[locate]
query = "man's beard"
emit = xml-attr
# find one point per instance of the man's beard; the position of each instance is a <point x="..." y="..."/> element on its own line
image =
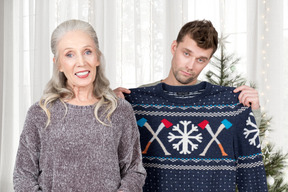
<point x="182" y="80"/>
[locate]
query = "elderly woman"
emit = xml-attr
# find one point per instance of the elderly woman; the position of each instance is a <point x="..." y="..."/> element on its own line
<point x="79" y="137"/>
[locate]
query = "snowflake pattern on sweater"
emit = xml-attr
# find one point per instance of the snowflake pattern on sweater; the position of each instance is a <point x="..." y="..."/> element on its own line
<point x="197" y="138"/>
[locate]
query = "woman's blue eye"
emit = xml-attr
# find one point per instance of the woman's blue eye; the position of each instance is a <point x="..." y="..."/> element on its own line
<point x="88" y="52"/>
<point x="69" y="55"/>
<point x="186" y="54"/>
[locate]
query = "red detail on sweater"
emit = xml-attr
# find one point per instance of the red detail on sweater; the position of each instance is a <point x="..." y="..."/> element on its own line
<point x="203" y="124"/>
<point x="166" y="123"/>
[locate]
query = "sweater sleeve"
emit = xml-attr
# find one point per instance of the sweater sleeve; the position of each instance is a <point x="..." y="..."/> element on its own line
<point x="133" y="173"/>
<point x="250" y="168"/>
<point x="26" y="170"/>
<point x="257" y="116"/>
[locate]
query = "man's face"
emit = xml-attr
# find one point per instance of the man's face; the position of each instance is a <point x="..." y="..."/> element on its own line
<point x="188" y="61"/>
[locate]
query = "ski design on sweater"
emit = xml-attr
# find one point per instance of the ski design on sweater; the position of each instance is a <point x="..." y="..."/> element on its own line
<point x="224" y="124"/>
<point x="211" y="143"/>
<point x="164" y="123"/>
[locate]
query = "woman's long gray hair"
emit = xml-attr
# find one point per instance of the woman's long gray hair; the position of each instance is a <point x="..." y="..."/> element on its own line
<point x="57" y="88"/>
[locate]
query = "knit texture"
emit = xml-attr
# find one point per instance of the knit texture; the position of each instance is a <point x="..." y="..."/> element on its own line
<point x="77" y="153"/>
<point x="197" y="138"/>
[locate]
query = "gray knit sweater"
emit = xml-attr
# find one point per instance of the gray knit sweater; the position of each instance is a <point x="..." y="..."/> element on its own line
<point x="77" y="153"/>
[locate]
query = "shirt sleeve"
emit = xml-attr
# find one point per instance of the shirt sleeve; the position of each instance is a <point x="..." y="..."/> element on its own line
<point x="26" y="170"/>
<point x="133" y="173"/>
<point x="257" y="116"/>
<point x="250" y="168"/>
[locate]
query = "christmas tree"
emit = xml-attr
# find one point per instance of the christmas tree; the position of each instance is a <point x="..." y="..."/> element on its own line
<point x="224" y="73"/>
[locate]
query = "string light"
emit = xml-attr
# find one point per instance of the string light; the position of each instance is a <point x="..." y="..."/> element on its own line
<point x="265" y="45"/>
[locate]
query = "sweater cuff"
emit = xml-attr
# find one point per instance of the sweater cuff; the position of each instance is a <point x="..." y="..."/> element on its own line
<point x="257" y="115"/>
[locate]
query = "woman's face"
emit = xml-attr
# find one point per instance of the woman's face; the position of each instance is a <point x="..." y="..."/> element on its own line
<point x="78" y="59"/>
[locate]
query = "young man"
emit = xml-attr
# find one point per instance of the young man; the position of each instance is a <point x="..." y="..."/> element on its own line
<point x="196" y="136"/>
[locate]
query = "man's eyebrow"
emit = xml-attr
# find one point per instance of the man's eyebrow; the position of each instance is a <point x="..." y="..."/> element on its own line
<point x="190" y="51"/>
<point x="203" y="57"/>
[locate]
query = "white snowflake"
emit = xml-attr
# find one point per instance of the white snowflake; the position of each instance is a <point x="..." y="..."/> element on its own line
<point x="254" y="130"/>
<point x="185" y="137"/>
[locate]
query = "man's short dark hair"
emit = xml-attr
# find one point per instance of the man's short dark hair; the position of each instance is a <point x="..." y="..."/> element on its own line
<point x="201" y="31"/>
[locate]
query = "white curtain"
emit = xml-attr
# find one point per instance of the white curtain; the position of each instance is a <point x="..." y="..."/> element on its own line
<point x="135" y="37"/>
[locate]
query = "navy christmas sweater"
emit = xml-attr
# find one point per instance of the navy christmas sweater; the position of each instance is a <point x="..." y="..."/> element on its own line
<point x="197" y="138"/>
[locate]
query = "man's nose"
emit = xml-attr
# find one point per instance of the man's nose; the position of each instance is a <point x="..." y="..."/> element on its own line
<point x="190" y="63"/>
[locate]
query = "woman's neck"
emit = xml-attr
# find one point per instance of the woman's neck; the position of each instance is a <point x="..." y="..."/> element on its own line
<point x="82" y="96"/>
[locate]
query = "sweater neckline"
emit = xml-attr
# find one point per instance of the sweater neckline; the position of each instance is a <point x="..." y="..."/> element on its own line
<point x="177" y="93"/>
<point x="71" y="106"/>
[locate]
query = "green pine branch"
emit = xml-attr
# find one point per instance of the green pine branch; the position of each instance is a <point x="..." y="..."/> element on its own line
<point x="225" y="65"/>
<point x="274" y="160"/>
